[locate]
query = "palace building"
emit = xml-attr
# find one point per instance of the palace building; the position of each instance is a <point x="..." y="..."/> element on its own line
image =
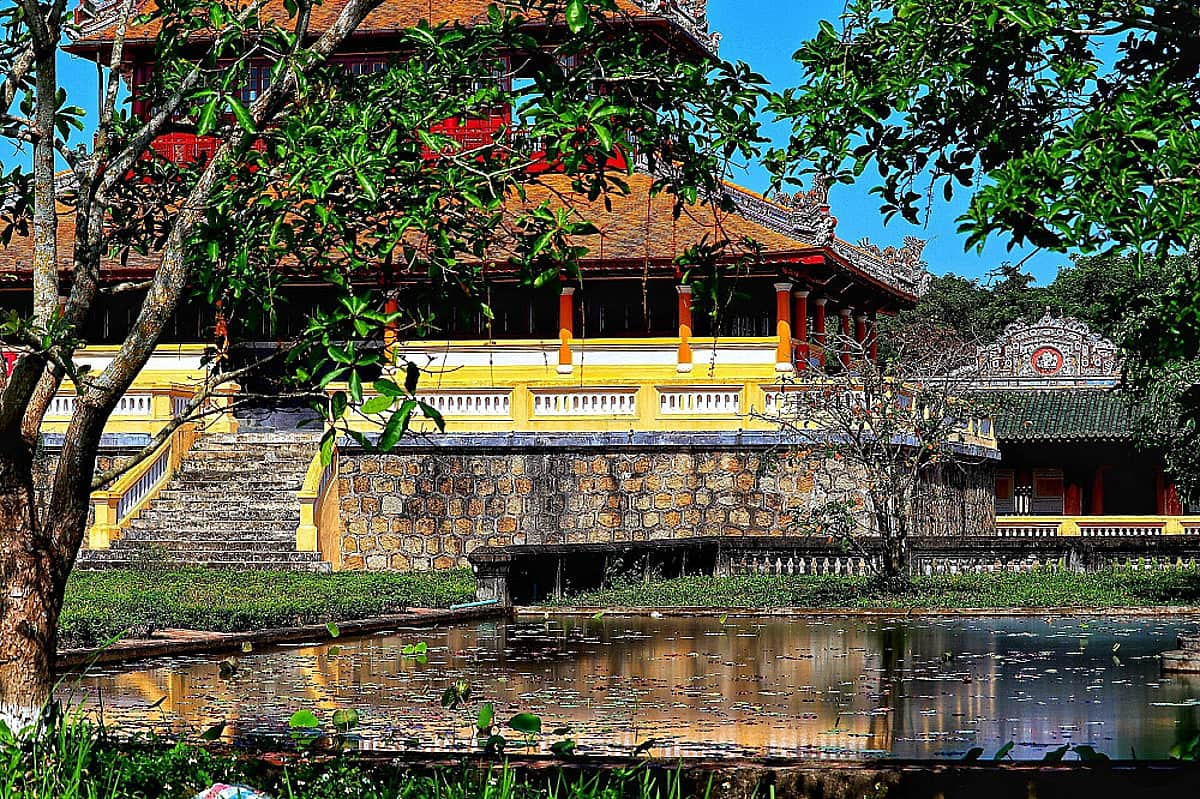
<point x="618" y="380"/>
<point x="1069" y="458"/>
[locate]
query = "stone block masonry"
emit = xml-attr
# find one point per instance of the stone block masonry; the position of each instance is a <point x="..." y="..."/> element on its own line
<point x="428" y="506"/>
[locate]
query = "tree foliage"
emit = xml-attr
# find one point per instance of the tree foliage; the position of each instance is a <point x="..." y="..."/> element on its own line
<point x="1070" y="124"/>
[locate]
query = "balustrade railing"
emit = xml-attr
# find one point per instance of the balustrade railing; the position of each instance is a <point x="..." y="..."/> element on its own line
<point x="585" y="402"/>
<point x="700" y="401"/>
<point x="1095" y="526"/>
<point x="114" y="508"/>
<point x="495" y="403"/>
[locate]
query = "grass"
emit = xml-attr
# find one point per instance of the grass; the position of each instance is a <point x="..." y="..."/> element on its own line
<point x="1104" y="589"/>
<point x="74" y="761"/>
<point x="100" y="606"/>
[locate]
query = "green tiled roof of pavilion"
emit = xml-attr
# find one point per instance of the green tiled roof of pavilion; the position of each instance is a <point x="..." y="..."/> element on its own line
<point x="1065" y="415"/>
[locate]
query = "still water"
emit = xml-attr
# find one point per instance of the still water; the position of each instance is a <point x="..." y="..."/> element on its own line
<point x="809" y="687"/>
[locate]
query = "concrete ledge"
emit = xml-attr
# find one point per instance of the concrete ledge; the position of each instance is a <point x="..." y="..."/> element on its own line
<point x="171" y="643"/>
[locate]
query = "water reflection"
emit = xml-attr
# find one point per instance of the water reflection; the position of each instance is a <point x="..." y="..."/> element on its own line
<point x="923" y="688"/>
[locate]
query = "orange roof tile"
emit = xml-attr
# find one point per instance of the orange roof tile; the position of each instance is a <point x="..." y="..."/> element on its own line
<point x="389" y="16"/>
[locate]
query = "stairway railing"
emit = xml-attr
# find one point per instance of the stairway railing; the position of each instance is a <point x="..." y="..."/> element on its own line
<point x="115" y="508"/>
<point x="320" y="515"/>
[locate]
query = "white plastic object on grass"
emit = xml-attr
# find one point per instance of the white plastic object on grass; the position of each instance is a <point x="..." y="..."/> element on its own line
<point x="222" y="791"/>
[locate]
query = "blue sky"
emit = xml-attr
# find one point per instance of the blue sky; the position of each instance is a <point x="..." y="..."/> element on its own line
<point x="765" y="33"/>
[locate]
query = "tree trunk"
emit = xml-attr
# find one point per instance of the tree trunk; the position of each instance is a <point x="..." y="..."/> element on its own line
<point x="32" y="594"/>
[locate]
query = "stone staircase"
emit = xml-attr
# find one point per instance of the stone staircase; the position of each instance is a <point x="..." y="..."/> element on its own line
<point x="232" y="504"/>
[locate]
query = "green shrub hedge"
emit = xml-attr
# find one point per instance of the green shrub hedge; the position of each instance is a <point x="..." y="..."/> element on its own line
<point x="1105" y="589"/>
<point x="101" y="606"/>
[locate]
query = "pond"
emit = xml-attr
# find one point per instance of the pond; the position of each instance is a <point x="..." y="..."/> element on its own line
<point x="928" y="688"/>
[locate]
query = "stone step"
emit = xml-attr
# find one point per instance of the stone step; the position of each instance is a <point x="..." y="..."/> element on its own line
<point x="198" y="546"/>
<point x="88" y="562"/>
<point x="211" y="507"/>
<point x="233" y="495"/>
<point x="252" y="479"/>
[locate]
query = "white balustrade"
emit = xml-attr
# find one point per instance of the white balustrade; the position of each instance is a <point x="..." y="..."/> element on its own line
<point x="497" y="402"/>
<point x="156" y="472"/>
<point x="134" y="405"/>
<point x="586" y="402"/>
<point x="700" y="401"/>
<point x="62" y="405"/>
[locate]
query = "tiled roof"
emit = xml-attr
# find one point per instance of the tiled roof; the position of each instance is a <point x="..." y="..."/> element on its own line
<point x="1065" y="415"/>
<point x="640" y="229"/>
<point x="389" y="16"/>
<point x="643" y="226"/>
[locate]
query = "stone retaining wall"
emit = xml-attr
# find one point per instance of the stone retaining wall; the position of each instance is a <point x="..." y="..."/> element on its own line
<point x="422" y="508"/>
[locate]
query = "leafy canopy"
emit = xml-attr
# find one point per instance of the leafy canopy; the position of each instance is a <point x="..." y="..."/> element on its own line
<point x="1070" y="124"/>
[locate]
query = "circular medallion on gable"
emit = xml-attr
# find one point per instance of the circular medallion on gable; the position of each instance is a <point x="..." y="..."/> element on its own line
<point x="1047" y="361"/>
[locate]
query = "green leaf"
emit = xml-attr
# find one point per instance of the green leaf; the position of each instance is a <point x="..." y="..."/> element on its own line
<point x="526" y="723"/>
<point x="377" y="404"/>
<point x="487" y="714"/>
<point x="303" y="720"/>
<point x="1003" y="751"/>
<point x="386" y="388"/>
<point x="241" y="114"/>
<point x="1088" y="753"/>
<point x="577" y="15"/>
<point x="564" y="748"/>
<point x="333" y="630"/>
<point x="1056" y="755"/>
<point x="412" y="374"/>
<point x="345" y="720"/>
<point x="328" y="441"/>
<point x="213" y="733"/>
<point x="973" y="754"/>
<point x="208" y="117"/>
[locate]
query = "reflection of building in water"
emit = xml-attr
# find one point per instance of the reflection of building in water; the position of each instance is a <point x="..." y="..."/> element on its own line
<point x="801" y="686"/>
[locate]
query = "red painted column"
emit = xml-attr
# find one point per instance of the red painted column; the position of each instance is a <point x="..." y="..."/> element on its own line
<point x="845" y="346"/>
<point x="800" y="327"/>
<point x="1072" y="499"/>
<point x="684" y="359"/>
<point x="860" y="332"/>
<point x="391" y="330"/>
<point x="1098" y="491"/>
<point x="819" y="328"/>
<point x="873" y="347"/>
<point x="566" y="328"/>
<point x="1172" y="506"/>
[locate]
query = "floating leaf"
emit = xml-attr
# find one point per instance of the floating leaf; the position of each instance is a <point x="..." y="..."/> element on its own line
<point x="487" y="714"/>
<point x="1003" y="751"/>
<point x="1088" y="753"/>
<point x="345" y="719"/>
<point x="598" y="615"/>
<point x="157" y="703"/>
<point x="333" y="630"/>
<point x="213" y="733"/>
<point x="1056" y="755"/>
<point x="973" y="754"/>
<point x="303" y="720"/>
<point x="563" y="748"/>
<point x="526" y="723"/>
<point x="247" y="647"/>
<point x="334" y="650"/>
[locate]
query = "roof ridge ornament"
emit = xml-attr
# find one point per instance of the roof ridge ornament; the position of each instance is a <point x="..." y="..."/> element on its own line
<point x="1054" y="350"/>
